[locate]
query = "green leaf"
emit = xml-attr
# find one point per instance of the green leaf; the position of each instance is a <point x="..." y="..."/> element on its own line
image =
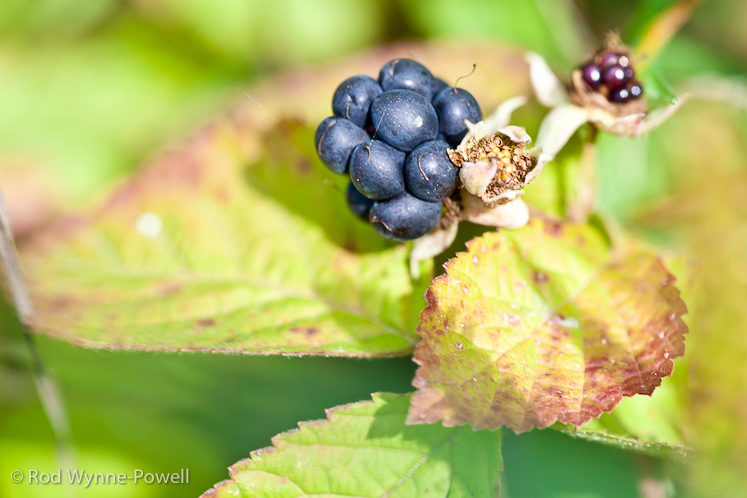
<point x="224" y="246"/>
<point x="366" y="450"/>
<point x="655" y="23"/>
<point x="677" y="452"/>
<point x="541" y="324"/>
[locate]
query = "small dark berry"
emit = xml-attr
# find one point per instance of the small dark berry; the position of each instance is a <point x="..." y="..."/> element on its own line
<point x="621" y="95"/>
<point x="592" y="75"/>
<point x="335" y="139"/>
<point x="453" y="106"/>
<point x="403" y="119"/>
<point x="376" y="170"/>
<point x="610" y="60"/>
<point x="406" y="74"/>
<point x="358" y="203"/>
<point x="437" y="86"/>
<point x="615" y="78"/>
<point x="635" y="90"/>
<point x="352" y="99"/>
<point x="405" y="217"/>
<point x="429" y="173"/>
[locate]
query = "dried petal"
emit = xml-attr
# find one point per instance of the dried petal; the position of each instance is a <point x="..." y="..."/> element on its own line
<point x="547" y="86"/>
<point x="658" y="116"/>
<point x="429" y="246"/>
<point x="501" y="117"/>
<point x="477" y="176"/>
<point x="517" y="134"/>
<point x="542" y="159"/>
<point x="558" y="126"/>
<point x="514" y="214"/>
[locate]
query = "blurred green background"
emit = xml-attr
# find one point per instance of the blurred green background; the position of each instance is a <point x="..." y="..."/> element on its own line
<point x="90" y="90"/>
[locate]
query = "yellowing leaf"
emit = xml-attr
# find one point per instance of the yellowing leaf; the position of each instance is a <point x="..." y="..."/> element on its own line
<point x="543" y="324"/>
<point x="220" y="247"/>
<point x="365" y="450"/>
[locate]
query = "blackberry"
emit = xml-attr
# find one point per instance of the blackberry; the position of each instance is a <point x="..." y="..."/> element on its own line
<point x="391" y="137"/>
<point x="611" y="74"/>
<point x="453" y="106"/>
<point x="429" y="173"/>
<point x="352" y="99"/>
<point x="437" y="85"/>
<point x="616" y="77"/>
<point x="405" y="217"/>
<point x="358" y="203"/>
<point x="406" y="74"/>
<point x="335" y="140"/>
<point x="403" y="119"/>
<point x="592" y="75"/>
<point x="376" y="170"/>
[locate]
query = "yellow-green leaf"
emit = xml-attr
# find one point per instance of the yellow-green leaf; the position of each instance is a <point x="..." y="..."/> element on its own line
<point x="204" y="250"/>
<point x="542" y="324"/>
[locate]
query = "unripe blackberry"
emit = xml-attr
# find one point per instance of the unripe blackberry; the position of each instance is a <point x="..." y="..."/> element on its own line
<point x="592" y="75"/>
<point x="610" y="73"/>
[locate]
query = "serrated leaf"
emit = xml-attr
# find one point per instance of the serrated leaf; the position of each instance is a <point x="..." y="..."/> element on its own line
<point x="222" y="246"/>
<point x="542" y="324"/>
<point x="366" y="450"/>
<point x="676" y="452"/>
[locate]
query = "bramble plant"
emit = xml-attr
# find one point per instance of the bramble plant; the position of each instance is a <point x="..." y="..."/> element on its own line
<point x="268" y="237"/>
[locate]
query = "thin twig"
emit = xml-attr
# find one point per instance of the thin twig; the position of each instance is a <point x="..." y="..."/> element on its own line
<point x="46" y="387"/>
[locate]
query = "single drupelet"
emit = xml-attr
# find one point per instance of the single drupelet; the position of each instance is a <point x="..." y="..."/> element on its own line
<point x="391" y="137"/>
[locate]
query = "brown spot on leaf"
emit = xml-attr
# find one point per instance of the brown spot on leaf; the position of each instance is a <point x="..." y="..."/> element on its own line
<point x="206" y="322"/>
<point x="539" y="277"/>
<point x="303" y="164"/>
<point x="168" y="288"/>
<point x="307" y="331"/>
<point x="553" y="228"/>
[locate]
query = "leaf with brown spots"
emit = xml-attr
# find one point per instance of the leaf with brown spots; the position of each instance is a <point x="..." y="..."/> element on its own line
<point x="365" y="450"/>
<point x="543" y="324"/>
<point x="204" y="252"/>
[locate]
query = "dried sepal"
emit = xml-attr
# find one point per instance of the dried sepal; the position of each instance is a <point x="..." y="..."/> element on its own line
<point x="431" y="245"/>
<point x="511" y="214"/>
<point x="476" y="177"/>
<point x="547" y="86"/>
<point x="501" y="117"/>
